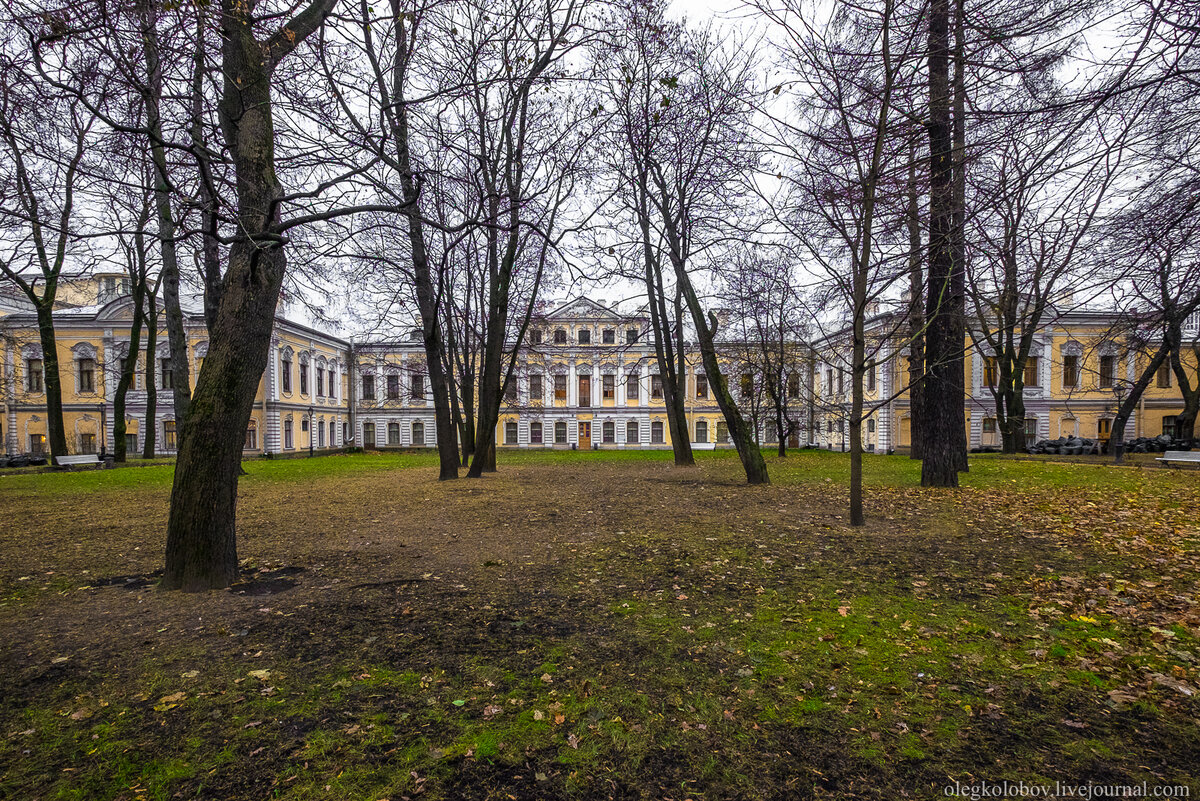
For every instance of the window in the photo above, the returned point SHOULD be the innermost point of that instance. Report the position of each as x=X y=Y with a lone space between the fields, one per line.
x=1070 y=376
x=333 y=384
x=510 y=433
x=1168 y=425
x=320 y=433
x=1108 y=371
x=87 y=375
x=701 y=431
x=418 y=386
x=609 y=336
x=585 y=434
x=871 y=426
x=608 y=386
x=829 y=381
x=304 y=425
x=535 y=388
x=535 y=336
x=1164 y=376
x=368 y=387
x=631 y=336
x=393 y=387
x=33 y=375
x=701 y=385
x=131 y=443
x=609 y=432
x=251 y=443
x=288 y=441
x=631 y=432
x=535 y=433
x=368 y=435
x=560 y=336
x=841 y=374
x=37 y=444
x=510 y=392
x=870 y=376
x=285 y=373
x=656 y=387
x=1032 y=378
x=722 y=432
x=793 y=385
x=1031 y=427
x=989 y=371
x=632 y=387
x=560 y=432
x=169 y=441
x=345 y=432
x=320 y=383
x=656 y=432
x=585 y=390
x=989 y=425
x=418 y=432
x=747 y=385
x=560 y=387
x=87 y=443
x=584 y=335
x=393 y=430
x=304 y=368
x=166 y=374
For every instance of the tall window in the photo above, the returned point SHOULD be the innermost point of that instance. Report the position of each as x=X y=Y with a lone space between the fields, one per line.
x=560 y=432
x=169 y=441
x=131 y=443
x=608 y=431
x=1030 y=427
x=656 y=387
x=320 y=383
x=871 y=376
x=1168 y=425
x=609 y=336
x=320 y=433
x=1070 y=376
x=510 y=392
x=304 y=368
x=631 y=432
x=418 y=432
x=333 y=384
x=656 y=432
x=251 y=443
x=560 y=387
x=631 y=336
x=632 y=387
x=535 y=336
x=1108 y=371
x=1164 y=376
x=585 y=336
x=33 y=375
x=510 y=433
x=418 y=386
x=368 y=387
x=393 y=387
x=289 y=441
x=393 y=430
x=722 y=432
x=585 y=390
x=701 y=431
x=285 y=373
x=87 y=375
x=989 y=371
x=87 y=443
x=1032 y=378
x=841 y=382
x=793 y=385
x=608 y=386
x=535 y=433
x=701 y=385
x=560 y=336
x=535 y=388
x=748 y=385
x=368 y=435
x=37 y=444
x=166 y=374
x=829 y=381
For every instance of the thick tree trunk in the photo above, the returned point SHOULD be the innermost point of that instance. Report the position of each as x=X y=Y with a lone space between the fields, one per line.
x=1117 y=442
x=916 y=313
x=1185 y=421
x=150 y=428
x=56 y=434
x=943 y=342
x=958 y=259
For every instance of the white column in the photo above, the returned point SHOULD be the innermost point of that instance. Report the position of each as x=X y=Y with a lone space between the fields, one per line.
x=572 y=385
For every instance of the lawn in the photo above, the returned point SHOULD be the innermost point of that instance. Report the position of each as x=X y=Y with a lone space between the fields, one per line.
x=603 y=625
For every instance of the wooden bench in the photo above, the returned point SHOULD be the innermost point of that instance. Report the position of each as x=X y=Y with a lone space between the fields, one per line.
x=1192 y=457
x=81 y=459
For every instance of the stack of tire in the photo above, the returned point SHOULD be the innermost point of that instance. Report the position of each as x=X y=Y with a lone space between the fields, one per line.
x=1065 y=446
x=22 y=461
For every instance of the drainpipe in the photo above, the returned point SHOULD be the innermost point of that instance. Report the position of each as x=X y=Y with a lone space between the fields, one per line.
x=352 y=391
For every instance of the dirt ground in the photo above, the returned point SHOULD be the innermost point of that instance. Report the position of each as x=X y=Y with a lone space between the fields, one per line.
x=605 y=628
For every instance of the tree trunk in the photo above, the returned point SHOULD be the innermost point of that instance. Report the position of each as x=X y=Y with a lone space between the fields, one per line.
x=150 y=429
x=56 y=434
x=943 y=354
x=958 y=268
x=1117 y=442
x=128 y=368
x=1185 y=421
x=916 y=313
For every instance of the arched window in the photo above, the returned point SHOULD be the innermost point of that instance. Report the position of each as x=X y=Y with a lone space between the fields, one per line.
x=393 y=434
x=510 y=433
x=418 y=432
x=701 y=431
